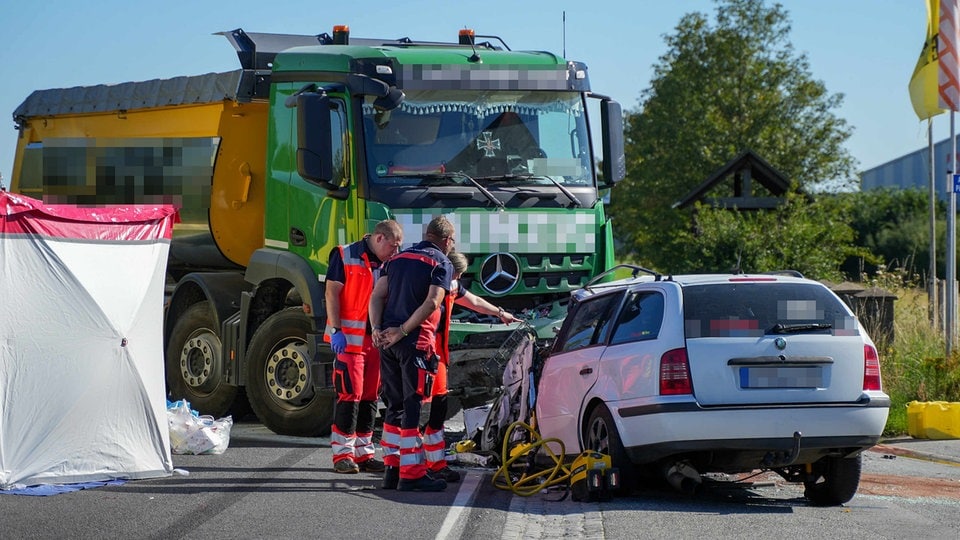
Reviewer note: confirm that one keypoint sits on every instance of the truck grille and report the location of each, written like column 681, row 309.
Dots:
column 539, row 273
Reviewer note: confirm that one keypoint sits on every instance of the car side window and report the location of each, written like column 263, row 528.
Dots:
column 640, row 318
column 591, row 322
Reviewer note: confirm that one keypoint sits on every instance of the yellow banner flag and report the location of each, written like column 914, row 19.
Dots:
column 923, row 83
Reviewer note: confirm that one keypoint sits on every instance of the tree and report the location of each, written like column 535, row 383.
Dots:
column 811, row 237
column 894, row 224
column 717, row 91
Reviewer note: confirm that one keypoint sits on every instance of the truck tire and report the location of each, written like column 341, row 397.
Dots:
column 194, row 369
column 836, row 481
column 278, row 380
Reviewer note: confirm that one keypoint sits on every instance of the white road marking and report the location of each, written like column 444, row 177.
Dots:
column 456, row 519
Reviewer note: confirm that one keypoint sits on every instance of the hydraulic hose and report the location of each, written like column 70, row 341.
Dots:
column 530, row 481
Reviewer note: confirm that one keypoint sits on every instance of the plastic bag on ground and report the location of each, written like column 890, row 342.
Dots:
column 191, row 433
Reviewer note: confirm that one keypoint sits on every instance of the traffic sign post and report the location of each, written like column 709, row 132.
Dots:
column 951, row 300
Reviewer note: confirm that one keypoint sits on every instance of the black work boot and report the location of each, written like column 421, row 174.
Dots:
column 424, row 483
column 391, row 476
column 449, row 475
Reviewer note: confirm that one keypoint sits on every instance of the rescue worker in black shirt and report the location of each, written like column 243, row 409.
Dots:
column 404, row 312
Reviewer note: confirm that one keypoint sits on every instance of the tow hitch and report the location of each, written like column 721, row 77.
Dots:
column 783, row 459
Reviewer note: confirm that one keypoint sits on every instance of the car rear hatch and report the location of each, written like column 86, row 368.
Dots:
column 770, row 341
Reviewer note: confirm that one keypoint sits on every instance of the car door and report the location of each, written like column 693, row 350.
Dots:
column 573, row 366
column 629, row 367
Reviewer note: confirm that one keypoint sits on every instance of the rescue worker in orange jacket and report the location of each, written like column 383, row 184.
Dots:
column 351, row 274
column 434, row 445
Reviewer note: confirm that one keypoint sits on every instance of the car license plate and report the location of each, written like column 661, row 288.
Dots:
column 781, row 377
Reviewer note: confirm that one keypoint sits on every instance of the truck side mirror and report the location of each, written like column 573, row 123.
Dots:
column 388, row 97
column 391, row 101
column 314, row 142
column 614, row 161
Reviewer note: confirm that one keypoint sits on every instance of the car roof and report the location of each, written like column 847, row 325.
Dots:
column 684, row 280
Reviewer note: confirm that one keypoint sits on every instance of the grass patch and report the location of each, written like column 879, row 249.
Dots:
column 914, row 365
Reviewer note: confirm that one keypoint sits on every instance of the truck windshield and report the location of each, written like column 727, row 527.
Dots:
column 521, row 137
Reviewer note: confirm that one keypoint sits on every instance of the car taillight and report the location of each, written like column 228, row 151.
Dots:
column 675, row 373
column 871, row 369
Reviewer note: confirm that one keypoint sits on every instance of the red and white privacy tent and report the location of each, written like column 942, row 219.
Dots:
column 81, row 370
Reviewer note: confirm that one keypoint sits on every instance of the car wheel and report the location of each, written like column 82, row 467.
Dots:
column 835, row 482
column 491, row 436
column 600, row 434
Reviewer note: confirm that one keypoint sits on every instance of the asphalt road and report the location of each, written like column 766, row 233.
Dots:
column 270, row 486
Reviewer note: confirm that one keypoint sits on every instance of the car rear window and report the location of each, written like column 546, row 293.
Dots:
column 756, row 308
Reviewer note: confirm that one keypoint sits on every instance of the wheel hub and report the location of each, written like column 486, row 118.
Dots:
column 198, row 360
column 598, row 437
column 287, row 374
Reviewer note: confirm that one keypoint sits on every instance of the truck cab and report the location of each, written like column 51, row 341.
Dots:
column 496, row 140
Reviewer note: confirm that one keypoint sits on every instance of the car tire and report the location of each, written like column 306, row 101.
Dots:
column 492, row 434
column 836, row 482
column 600, row 434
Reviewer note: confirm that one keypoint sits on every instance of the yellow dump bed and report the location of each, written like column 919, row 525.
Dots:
column 189, row 141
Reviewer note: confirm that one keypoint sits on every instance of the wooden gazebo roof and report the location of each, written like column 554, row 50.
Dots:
column 744, row 170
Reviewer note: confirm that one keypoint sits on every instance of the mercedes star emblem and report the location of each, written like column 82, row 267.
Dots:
column 499, row 273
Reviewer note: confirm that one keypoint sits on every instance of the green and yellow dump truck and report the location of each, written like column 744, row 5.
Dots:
column 311, row 143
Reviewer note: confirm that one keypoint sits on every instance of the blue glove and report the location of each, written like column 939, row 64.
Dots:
column 338, row 342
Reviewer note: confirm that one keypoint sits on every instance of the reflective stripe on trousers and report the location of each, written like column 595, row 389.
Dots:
column 390, row 442
column 411, row 455
column 342, row 444
column 363, row 448
column 434, row 448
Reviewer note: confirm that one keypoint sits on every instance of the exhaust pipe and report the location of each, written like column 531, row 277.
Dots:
column 683, row 477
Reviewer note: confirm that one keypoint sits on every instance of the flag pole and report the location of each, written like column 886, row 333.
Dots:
column 948, row 89
column 933, row 88
column 951, row 243
column 932, row 296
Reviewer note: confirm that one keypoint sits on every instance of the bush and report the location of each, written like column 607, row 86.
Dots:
column 914, row 366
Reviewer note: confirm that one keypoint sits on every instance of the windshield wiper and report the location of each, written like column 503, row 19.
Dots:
column 781, row 328
column 573, row 198
column 457, row 174
column 449, row 176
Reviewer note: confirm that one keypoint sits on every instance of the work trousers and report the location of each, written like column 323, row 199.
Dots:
column 434, row 444
column 356, row 378
column 405, row 380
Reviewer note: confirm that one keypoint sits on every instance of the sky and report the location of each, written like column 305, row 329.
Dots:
column 863, row 49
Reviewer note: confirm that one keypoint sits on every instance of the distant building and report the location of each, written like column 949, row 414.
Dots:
column 911, row 171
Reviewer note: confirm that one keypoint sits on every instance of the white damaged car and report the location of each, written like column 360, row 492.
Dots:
column 691, row 374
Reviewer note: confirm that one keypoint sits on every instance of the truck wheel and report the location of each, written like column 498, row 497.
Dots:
column 600, row 434
column 835, row 481
column 279, row 386
column 194, row 367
